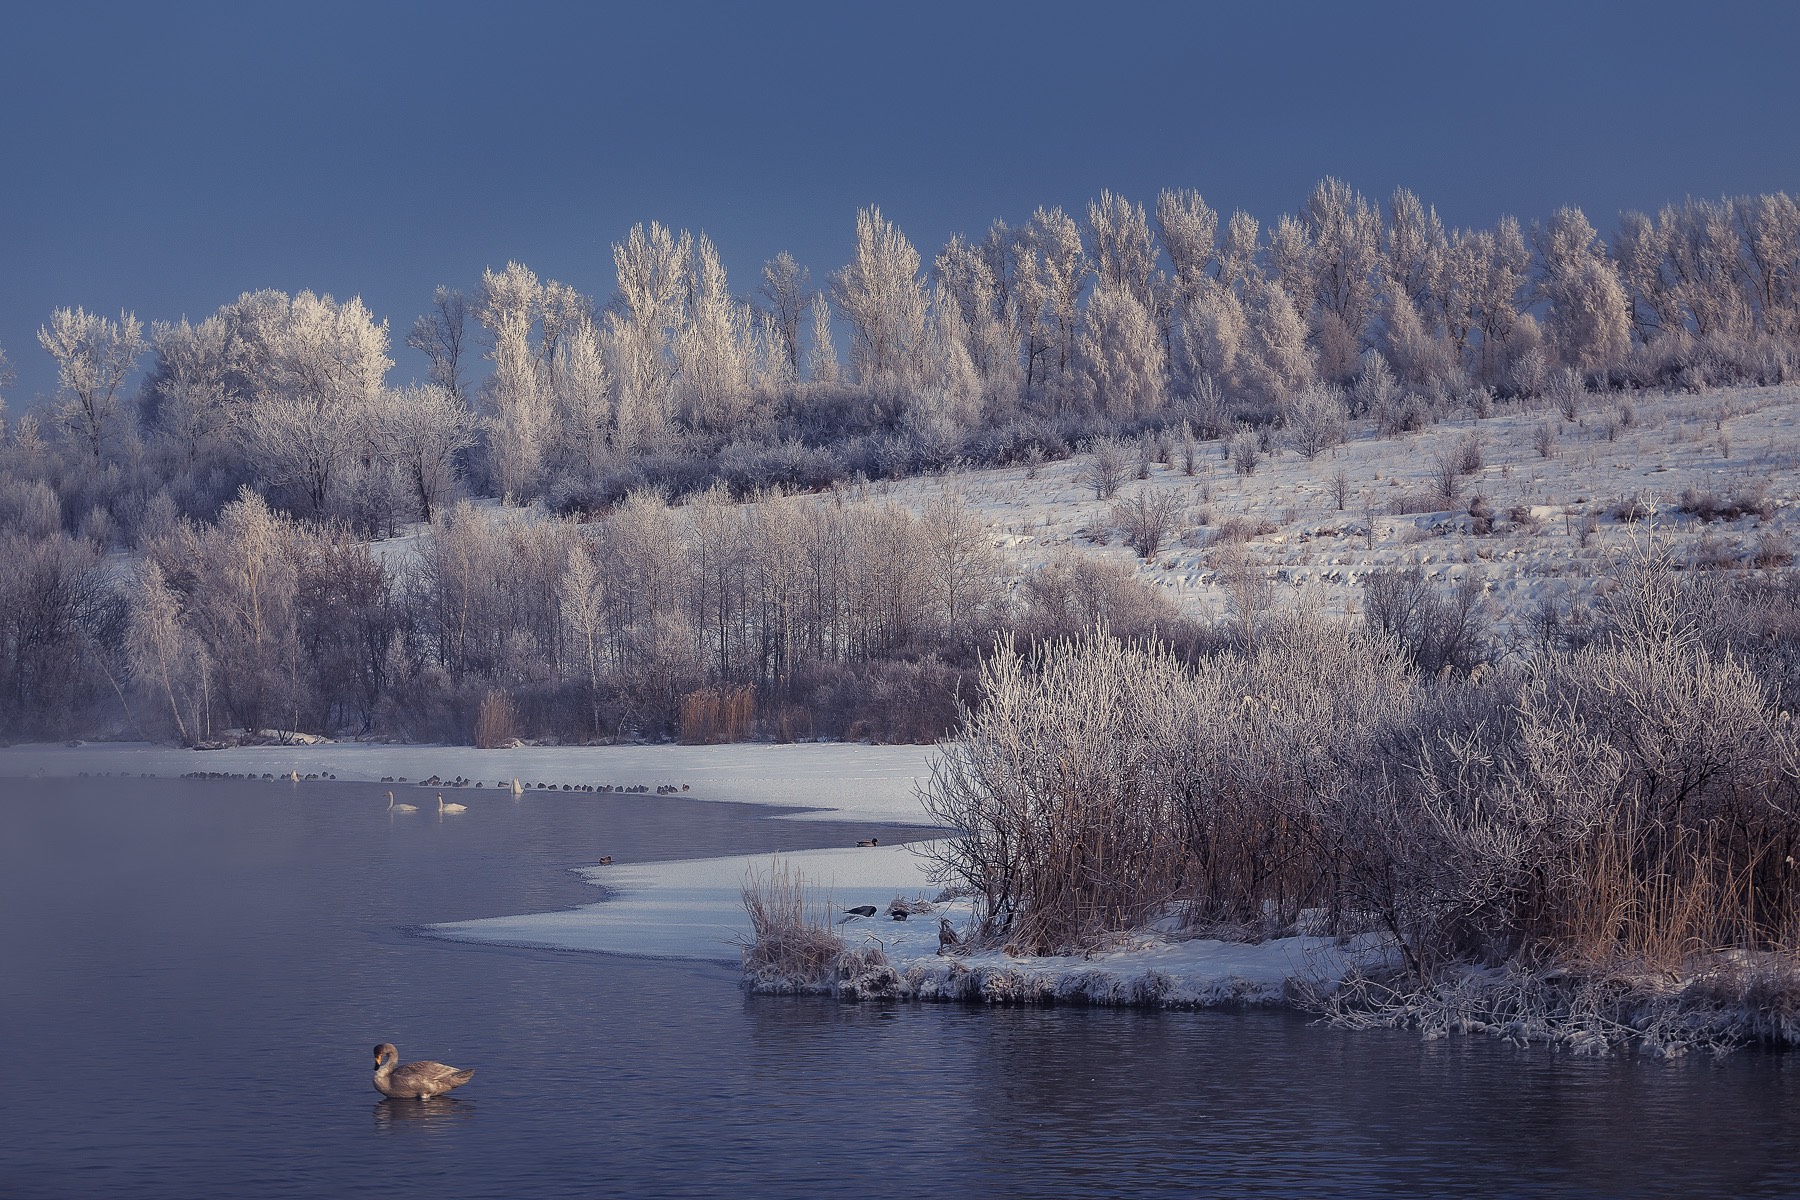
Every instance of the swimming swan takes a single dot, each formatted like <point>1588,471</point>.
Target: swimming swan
<point>400,808</point>
<point>414,1081</point>
<point>451,808</point>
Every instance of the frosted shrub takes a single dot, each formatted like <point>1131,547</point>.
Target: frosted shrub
<point>1102,782</point>
<point>1060,784</point>
<point>1246,451</point>
<point>1147,520</point>
<point>1316,419</point>
<point>1106,469</point>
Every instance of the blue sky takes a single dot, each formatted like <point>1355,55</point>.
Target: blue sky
<point>166,157</point>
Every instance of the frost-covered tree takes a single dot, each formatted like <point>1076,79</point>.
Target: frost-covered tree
<point>1212,335</point>
<point>1486,273</point>
<point>1279,362</point>
<point>318,369</point>
<point>1770,227</point>
<point>1291,258</point>
<point>1346,271</point>
<point>272,388</point>
<point>652,270</point>
<point>1704,253</point>
<point>1120,351</point>
<point>948,401</point>
<point>1316,419</point>
<point>1587,324</point>
<point>1190,229</point>
<point>1415,252</point>
<point>714,351</point>
<point>166,661</point>
<point>879,292</point>
<point>821,354</point>
<point>1124,250</point>
<point>966,277</point>
<point>581,398</point>
<point>94,356</point>
<point>440,336</point>
<point>509,305</point>
<point>1642,250</point>
<point>188,394</point>
<point>421,430</point>
<point>784,287</point>
<point>1051,266</point>
<point>6,382</point>
<point>1237,252</point>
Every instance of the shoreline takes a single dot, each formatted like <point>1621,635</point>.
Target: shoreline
<point>691,909</point>
<point>851,781</point>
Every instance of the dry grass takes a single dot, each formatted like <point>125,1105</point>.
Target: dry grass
<point>792,946</point>
<point>715,715</point>
<point>496,722</point>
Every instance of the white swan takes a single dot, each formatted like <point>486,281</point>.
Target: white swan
<point>450,808</point>
<point>400,808</point>
<point>516,789</point>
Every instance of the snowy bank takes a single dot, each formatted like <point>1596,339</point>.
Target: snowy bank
<point>840,780</point>
<point>693,910</point>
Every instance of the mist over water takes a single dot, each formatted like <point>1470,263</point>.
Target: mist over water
<point>194,974</point>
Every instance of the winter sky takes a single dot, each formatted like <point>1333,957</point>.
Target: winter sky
<point>165,157</point>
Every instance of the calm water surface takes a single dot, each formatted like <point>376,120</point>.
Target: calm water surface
<point>192,974</point>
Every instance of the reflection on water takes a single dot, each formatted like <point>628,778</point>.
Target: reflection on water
<point>193,940</point>
<point>439,1114</point>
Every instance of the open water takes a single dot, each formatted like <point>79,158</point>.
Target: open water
<point>192,974</point>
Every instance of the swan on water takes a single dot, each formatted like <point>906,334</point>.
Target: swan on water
<point>450,808</point>
<point>416,1080</point>
<point>400,808</point>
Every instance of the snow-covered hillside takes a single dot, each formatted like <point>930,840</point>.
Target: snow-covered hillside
<point>1566,497</point>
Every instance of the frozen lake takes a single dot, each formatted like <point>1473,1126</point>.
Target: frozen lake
<point>192,975</point>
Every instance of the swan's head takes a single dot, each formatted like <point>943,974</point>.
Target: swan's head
<point>383,1053</point>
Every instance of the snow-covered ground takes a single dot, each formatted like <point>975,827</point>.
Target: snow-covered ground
<point>838,780</point>
<point>692,910</point>
<point>1557,527</point>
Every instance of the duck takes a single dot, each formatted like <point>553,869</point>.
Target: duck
<point>400,808</point>
<point>415,1080</point>
<point>874,841</point>
<point>450,808</point>
<point>607,861</point>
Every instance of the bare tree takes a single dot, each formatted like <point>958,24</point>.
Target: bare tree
<point>439,336</point>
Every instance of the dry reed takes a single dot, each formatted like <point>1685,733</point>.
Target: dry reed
<point>496,722</point>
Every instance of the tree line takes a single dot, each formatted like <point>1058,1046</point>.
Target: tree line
<point>248,459</point>
<point>826,616</point>
<point>1016,342</point>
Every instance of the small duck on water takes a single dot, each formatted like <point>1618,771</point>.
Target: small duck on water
<point>415,1080</point>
